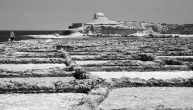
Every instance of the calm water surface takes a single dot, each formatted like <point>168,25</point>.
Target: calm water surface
<point>4,38</point>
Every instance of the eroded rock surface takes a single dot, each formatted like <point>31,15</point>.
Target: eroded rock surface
<point>149,99</point>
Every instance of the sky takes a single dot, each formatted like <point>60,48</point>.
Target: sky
<point>59,14</point>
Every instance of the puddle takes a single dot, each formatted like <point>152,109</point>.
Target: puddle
<point>145,75</point>
<point>19,53</point>
<point>90,62</point>
<point>82,56</point>
<point>175,56</point>
<point>23,67</point>
<point>39,79</point>
<point>23,53</point>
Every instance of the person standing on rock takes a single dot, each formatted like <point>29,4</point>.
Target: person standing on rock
<point>12,36</point>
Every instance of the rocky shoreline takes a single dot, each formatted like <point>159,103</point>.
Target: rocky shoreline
<point>71,78</point>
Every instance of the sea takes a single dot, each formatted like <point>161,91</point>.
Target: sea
<point>21,34</point>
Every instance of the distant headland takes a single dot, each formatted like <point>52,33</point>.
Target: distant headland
<point>102,26</point>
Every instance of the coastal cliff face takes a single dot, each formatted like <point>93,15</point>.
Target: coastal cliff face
<point>101,24</point>
<point>156,27</point>
<point>134,26</point>
<point>161,27</point>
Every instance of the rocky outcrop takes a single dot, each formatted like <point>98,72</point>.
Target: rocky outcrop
<point>101,24</point>
<point>101,19</point>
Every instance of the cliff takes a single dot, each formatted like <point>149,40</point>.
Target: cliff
<point>161,27</point>
<point>147,27</point>
<point>101,24</point>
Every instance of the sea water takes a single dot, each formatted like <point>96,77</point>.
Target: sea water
<point>5,38</point>
<point>22,34</point>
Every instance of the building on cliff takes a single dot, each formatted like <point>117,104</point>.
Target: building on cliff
<point>101,19</point>
<point>102,25</point>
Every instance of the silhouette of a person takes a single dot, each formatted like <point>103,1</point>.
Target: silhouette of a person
<point>12,36</point>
